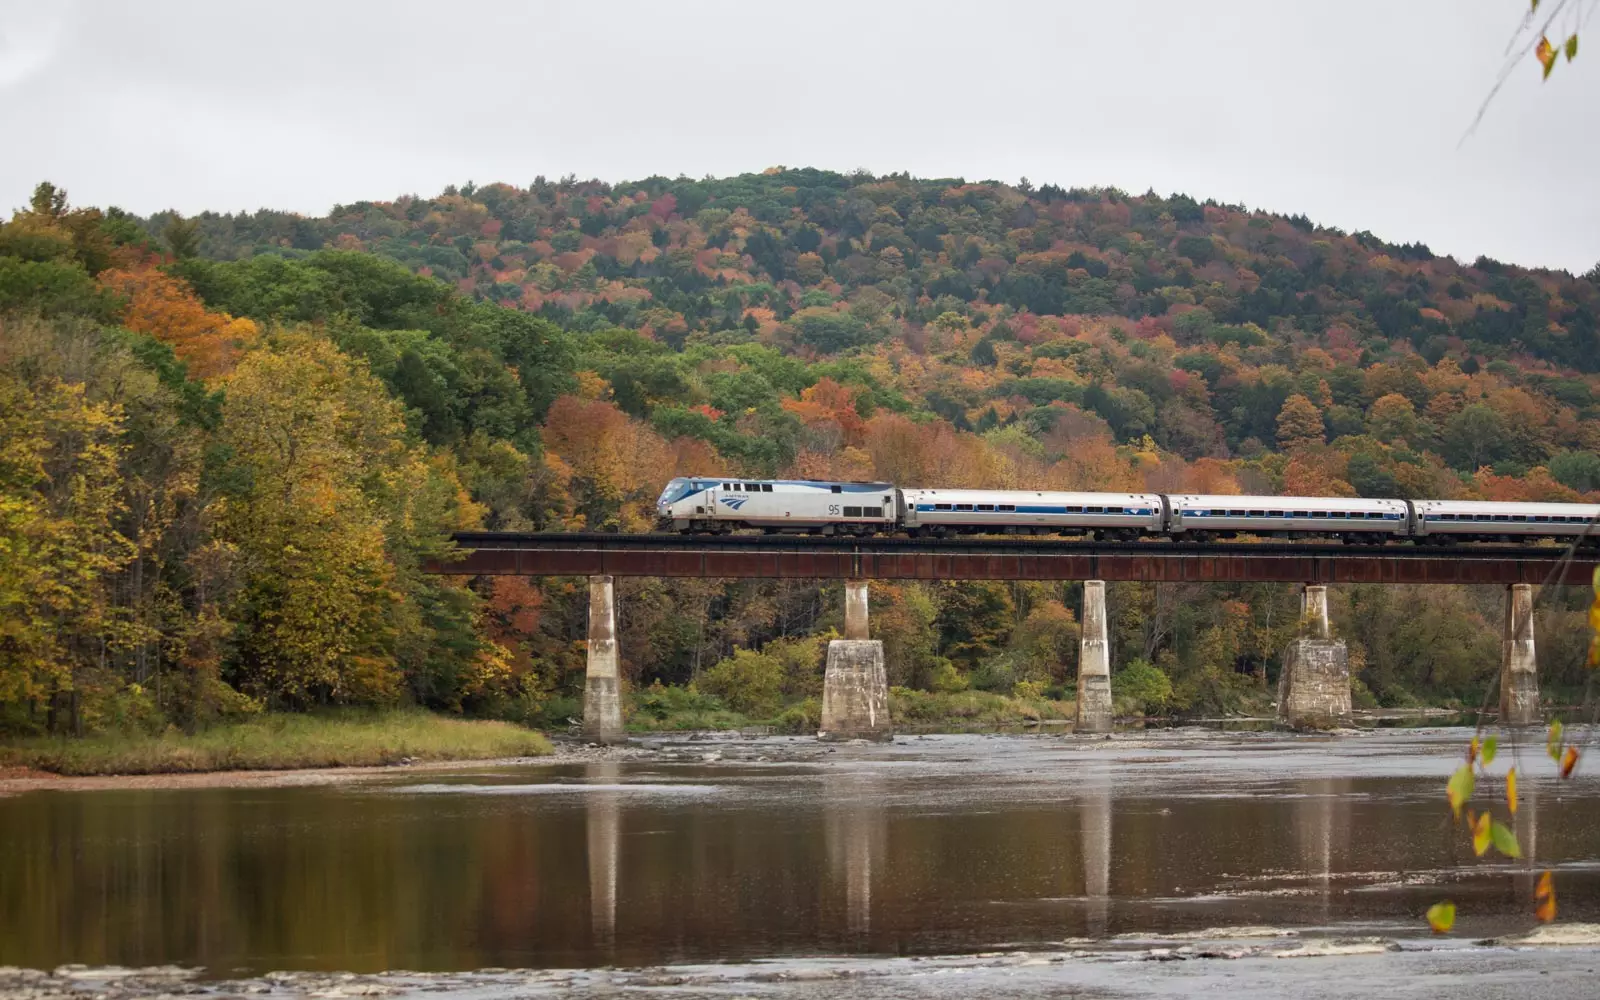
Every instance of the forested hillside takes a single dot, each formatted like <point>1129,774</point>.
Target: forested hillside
<point>229,441</point>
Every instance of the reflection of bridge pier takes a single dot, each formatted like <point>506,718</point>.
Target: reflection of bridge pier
<point>1527,830</point>
<point>1094,818</point>
<point>856,833</point>
<point>603,819</point>
<point>1322,830</point>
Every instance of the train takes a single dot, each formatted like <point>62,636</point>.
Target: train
<point>713,505</point>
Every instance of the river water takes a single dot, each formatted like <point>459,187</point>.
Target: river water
<point>730,850</point>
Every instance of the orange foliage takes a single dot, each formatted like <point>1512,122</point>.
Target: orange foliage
<point>168,310</point>
<point>828,402</point>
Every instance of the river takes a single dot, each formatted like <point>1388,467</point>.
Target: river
<point>730,853</point>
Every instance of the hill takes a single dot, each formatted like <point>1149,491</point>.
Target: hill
<point>288,413</point>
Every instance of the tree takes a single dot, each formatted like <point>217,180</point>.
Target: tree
<point>58,542</point>
<point>182,237</point>
<point>1474,437</point>
<point>1391,418</point>
<point>167,309</point>
<point>1579,470</point>
<point>1299,423</point>
<point>312,432</point>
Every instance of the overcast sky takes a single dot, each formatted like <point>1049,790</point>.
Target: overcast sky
<point>1349,111</point>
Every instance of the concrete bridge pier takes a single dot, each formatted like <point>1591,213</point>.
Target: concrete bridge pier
<point>1314,687</point>
<point>1094,663</point>
<point>1519,668</point>
<point>602,690</point>
<point>855,688</point>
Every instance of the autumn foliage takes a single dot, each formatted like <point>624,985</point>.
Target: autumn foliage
<point>167,309</point>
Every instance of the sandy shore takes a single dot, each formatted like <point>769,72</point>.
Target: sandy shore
<point>14,781</point>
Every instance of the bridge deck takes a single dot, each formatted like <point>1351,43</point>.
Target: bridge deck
<point>801,557</point>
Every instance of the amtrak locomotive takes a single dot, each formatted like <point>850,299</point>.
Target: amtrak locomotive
<point>698,504</point>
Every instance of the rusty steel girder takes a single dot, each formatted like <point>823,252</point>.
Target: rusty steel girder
<point>733,557</point>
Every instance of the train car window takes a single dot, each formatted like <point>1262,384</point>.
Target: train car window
<point>766,487</point>
<point>837,489</point>
<point>1236,513</point>
<point>1541,518</point>
<point>963,506</point>
<point>1276,513</point>
<point>1502,517</point>
<point>1520,517</point>
<point>1258,513</point>
<point>1094,510</point>
<point>852,512</point>
<point>1074,510</point>
<point>1005,506</point>
<point>1319,513</point>
<point>986,506</point>
<point>1302,513</point>
<point>727,486</point>
<point>1446,517</point>
<point>1337,513</point>
<point>941,506</point>
<point>872,512</point>
<point>1373,515</point>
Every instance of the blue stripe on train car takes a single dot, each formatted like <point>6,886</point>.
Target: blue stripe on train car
<point>1036,509</point>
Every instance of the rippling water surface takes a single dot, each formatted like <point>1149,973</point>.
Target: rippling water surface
<point>778,848</point>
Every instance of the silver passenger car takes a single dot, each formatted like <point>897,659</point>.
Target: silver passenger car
<point>1460,520</point>
<point>1199,517</point>
<point>1107,515</point>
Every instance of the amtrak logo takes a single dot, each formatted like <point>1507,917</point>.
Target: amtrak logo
<point>735,502</point>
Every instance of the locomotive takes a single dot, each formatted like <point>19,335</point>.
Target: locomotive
<point>709,505</point>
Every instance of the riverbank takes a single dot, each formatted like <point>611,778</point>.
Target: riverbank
<point>667,710</point>
<point>279,742</point>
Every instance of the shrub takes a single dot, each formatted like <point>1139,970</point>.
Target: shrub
<point>660,701</point>
<point>748,682</point>
<point>1143,684</point>
<point>947,678</point>
<point>802,717</point>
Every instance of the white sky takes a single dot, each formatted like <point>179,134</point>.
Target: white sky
<point>1349,111</point>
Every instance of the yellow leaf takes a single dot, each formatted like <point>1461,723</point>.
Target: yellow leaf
<point>1546,54</point>
<point>1546,911</point>
<point>1490,746</point>
<point>1480,833</point>
<point>1459,789</point>
<point>1545,887</point>
<point>1472,750</point>
<point>1511,790</point>
<point>1442,917</point>
<point>1569,760</point>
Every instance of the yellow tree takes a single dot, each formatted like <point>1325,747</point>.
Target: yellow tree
<point>309,429</point>
<point>1299,423</point>
<point>58,544</point>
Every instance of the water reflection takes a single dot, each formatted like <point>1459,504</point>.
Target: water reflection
<point>856,838</point>
<point>1322,831</point>
<point>603,823</point>
<point>950,844</point>
<point>1094,818</point>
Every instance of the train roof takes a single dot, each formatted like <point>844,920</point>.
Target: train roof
<point>1345,503</point>
<point>1495,505</point>
<point>1028,493</point>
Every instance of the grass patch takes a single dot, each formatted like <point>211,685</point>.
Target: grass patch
<point>271,742</point>
<point>960,709</point>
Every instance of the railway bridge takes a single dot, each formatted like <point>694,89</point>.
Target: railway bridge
<point>1313,689</point>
